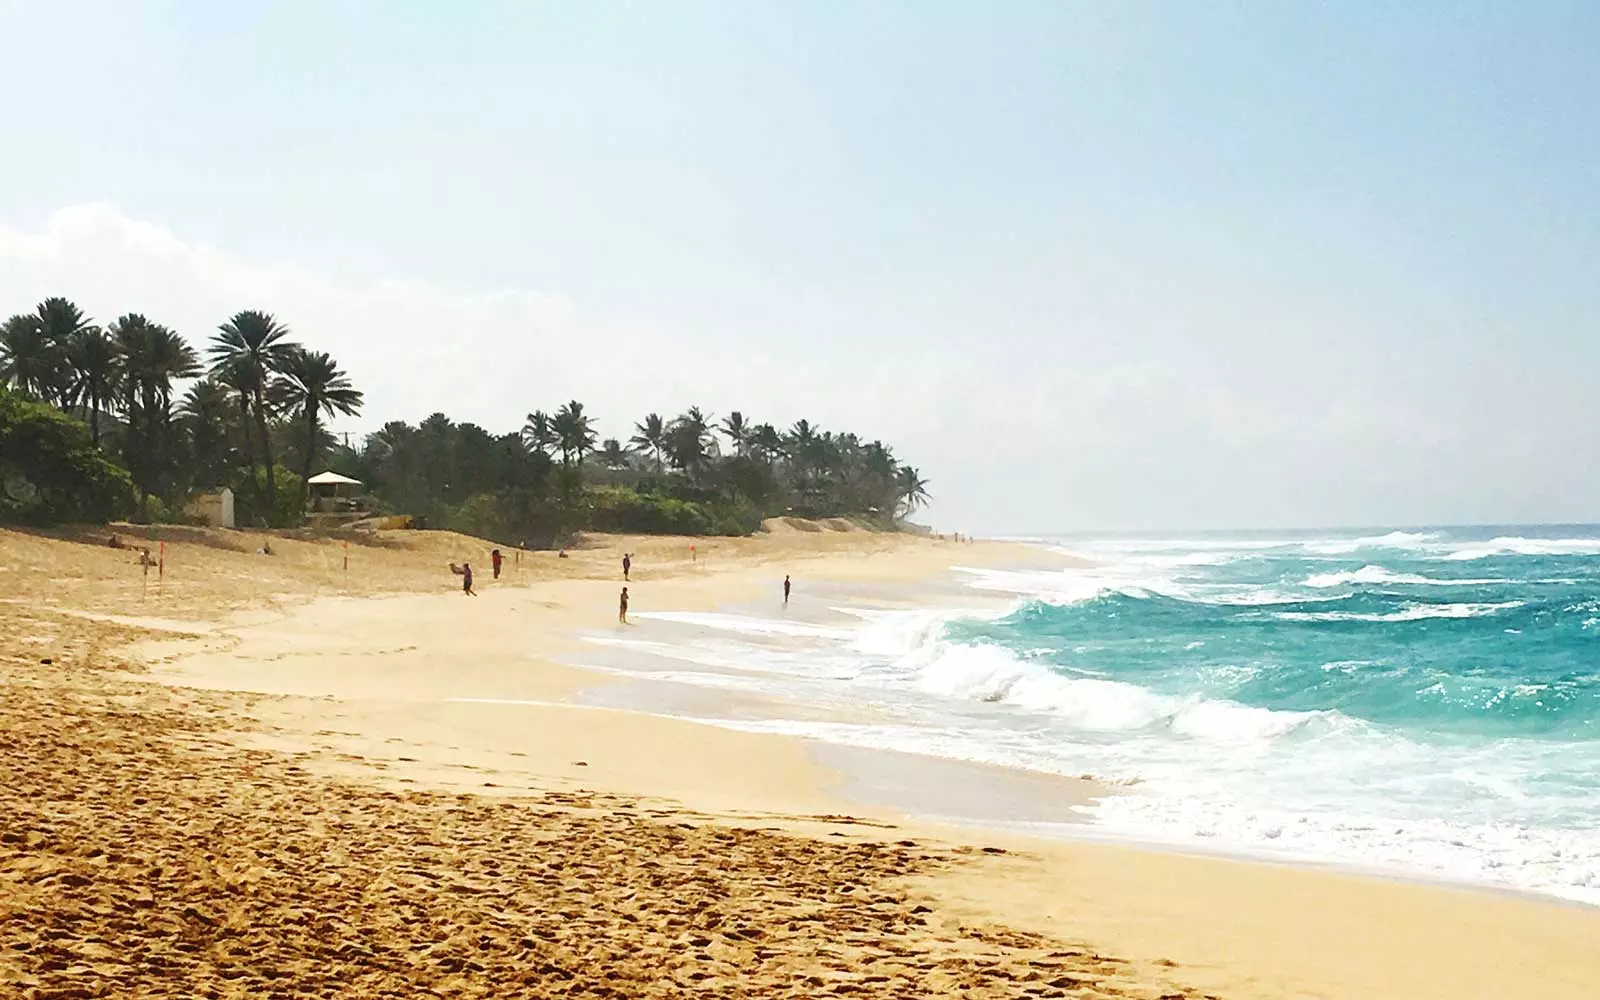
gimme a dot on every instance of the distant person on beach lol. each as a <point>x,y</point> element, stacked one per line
<point>622,608</point>
<point>562,554</point>
<point>627,565</point>
<point>786,590</point>
<point>116,543</point>
<point>494,562</point>
<point>466,580</point>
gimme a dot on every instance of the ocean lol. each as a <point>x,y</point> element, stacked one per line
<point>1422,702</point>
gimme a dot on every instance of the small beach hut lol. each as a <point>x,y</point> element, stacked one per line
<point>214,508</point>
<point>331,492</point>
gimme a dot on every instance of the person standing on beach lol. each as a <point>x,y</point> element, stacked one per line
<point>786,590</point>
<point>627,565</point>
<point>466,580</point>
<point>494,562</point>
<point>622,608</point>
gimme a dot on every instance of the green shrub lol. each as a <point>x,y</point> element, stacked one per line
<point>482,515</point>
<point>622,510</point>
<point>734,519</point>
<point>250,499</point>
<point>50,470</point>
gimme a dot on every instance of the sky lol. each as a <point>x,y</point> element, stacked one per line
<point>1114,266</point>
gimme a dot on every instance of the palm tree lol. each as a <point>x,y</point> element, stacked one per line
<point>689,442</point>
<point>574,432</point>
<point>205,413</point>
<point>803,445</point>
<point>130,336</point>
<point>238,381</point>
<point>882,473</point>
<point>878,460</point>
<point>802,438</point>
<point>315,385</point>
<point>60,322</point>
<point>259,341</point>
<point>170,358</point>
<point>95,369</point>
<point>738,432</point>
<point>537,434</point>
<point>650,434</point>
<point>29,360</point>
<point>612,456</point>
<point>766,443</point>
<point>913,489</point>
<point>152,358</point>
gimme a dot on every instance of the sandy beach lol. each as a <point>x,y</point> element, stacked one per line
<point>326,772</point>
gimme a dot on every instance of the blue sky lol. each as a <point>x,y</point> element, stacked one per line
<point>1110,265</point>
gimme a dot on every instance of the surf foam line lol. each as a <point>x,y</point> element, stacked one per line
<point>744,624</point>
<point>1375,574</point>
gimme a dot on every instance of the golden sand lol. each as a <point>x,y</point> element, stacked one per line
<point>238,777</point>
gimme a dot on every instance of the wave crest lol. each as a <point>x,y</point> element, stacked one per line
<point>993,674</point>
<point>1378,575</point>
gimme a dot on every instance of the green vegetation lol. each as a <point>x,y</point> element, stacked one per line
<point>92,417</point>
<point>51,470</point>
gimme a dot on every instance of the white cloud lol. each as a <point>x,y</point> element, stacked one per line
<point>1012,439</point>
<point>413,347</point>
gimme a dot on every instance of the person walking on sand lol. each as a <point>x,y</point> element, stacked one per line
<point>622,608</point>
<point>786,590</point>
<point>627,565</point>
<point>466,580</point>
<point>494,562</point>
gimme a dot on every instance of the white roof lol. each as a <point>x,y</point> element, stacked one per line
<point>324,478</point>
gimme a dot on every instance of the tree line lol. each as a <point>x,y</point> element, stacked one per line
<point>250,409</point>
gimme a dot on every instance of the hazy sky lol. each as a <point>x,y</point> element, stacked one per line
<point>1114,265</point>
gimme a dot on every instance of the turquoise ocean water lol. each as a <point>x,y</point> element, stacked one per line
<point>1422,701</point>
<point>1425,699</point>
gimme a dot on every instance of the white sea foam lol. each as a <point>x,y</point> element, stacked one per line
<point>1563,863</point>
<point>1301,784</point>
<point>745,624</point>
<point>1373,574</point>
<point>1516,545</point>
<point>992,674</point>
<point>1411,613</point>
<point>1392,540</point>
<point>1075,586</point>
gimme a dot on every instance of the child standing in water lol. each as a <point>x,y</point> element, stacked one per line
<point>622,608</point>
<point>786,590</point>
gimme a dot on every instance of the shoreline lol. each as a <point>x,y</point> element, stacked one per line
<point>355,688</point>
<point>567,686</point>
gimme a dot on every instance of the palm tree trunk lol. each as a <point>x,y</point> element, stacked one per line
<point>150,460</point>
<point>169,476</point>
<point>247,425</point>
<point>311,453</point>
<point>266,447</point>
